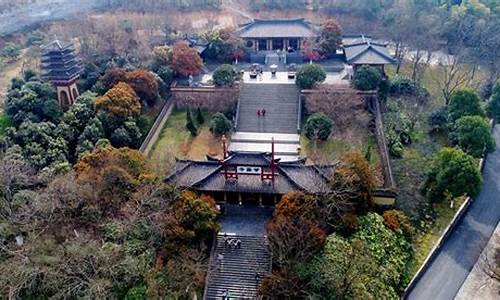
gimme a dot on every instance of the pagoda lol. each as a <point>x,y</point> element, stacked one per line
<point>61,66</point>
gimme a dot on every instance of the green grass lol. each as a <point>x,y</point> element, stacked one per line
<point>4,123</point>
<point>333,148</point>
<point>175,141</point>
<point>173,134</point>
<point>425,241</point>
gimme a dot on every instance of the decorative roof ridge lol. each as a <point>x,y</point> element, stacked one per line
<point>176,172</point>
<point>368,47</point>
<point>290,179</point>
<point>215,171</point>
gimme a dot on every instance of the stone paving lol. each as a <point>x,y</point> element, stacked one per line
<point>247,220</point>
<point>478,285</point>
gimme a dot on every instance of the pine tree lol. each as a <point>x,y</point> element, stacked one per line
<point>190,124</point>
<point>199,116</point>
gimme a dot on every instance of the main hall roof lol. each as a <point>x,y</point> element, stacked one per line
<point>278,28</point>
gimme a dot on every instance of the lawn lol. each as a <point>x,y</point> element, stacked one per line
<point>334,148</point>
<point>175,141</point>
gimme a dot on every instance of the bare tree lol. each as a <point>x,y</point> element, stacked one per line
<point>453,76</point>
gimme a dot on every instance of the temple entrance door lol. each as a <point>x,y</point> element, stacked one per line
<point>278,44</point>
<point>294,44</point>
<point>251,199</point>
<point>262,45</point>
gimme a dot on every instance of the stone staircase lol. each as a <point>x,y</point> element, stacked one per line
<point>285,145</point>
<point>235,270</point>
<point>280,102</point>
<point>254,133</point>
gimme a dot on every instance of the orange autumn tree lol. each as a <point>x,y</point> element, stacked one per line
<point>294,233</point>
<point>120,102</point>
<point>144,84</point>
<point>185,60</point>
<point>353,181</point>
<point>114,174</point>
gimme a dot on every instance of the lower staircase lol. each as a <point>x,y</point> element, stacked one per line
<point>237,272</point>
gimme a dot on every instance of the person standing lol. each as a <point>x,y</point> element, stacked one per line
<point>263,112</point>
<point>258,113</point>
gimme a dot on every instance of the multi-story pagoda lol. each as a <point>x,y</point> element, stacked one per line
<point>61,66</point>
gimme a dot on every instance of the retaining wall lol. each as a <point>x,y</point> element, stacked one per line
<point>213,99</point>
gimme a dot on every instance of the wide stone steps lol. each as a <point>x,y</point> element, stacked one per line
<point>236,271</point>
<point>280,102</point>
<point>255,137</point>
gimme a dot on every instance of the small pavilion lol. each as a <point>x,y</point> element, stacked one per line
<point>363,50</point>
<point>277,34</point>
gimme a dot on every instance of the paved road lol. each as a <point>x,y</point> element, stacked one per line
<point>450,268</point>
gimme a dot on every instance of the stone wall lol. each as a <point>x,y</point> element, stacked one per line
<point>213,99</point>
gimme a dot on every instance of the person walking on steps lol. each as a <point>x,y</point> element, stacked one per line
<point>263,112</point>
<point>258,113</point>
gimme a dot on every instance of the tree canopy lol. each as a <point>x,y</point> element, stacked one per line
<point>185,60</point>
<point>367,78</point>
<point>452,173</point>
<point>308,76</point>
<point>464,103</point>
<point>330,37</point>
<point>474,135</point>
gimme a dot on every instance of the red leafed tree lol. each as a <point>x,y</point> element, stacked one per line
<point>310,52</point>
<point>294,234</point>
<point>186,61</point>
<point>330,37</point>
<point>238,54</point>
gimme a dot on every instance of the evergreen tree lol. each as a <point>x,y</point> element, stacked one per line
<point>199,116</point>
<point>190,124</point>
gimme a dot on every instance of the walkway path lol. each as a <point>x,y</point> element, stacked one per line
<point>478,284</point>
<point>455,259</point>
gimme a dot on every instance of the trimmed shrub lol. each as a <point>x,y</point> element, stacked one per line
<point>367,78</point>
<point>464,103</point>
<point>453,173</point>
<point>309,76</point>
<point>225,75</point>
<point>474,135</point>
<point>220,125</point>
<point>318,127</point>
<point>403,86</point>
<point>439,119</point>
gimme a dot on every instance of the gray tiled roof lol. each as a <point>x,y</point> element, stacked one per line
<point>276,28</point>
<point>364,50</point>
<point>290,176</point>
